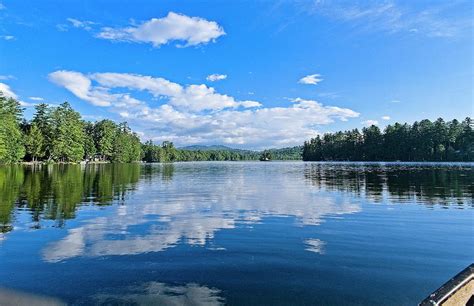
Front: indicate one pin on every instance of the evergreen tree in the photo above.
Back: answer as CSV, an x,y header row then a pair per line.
x,y
104,137
43,120
68,131
35,143
12,148
89,144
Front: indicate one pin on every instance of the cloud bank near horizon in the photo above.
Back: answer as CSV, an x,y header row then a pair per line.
x,y
198,114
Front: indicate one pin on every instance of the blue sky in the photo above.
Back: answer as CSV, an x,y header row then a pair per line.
x,y
249,74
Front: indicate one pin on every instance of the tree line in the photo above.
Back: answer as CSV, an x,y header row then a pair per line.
x,y
58,134
421,141
166,152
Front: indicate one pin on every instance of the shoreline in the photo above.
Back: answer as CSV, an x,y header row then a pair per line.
x,y
41,163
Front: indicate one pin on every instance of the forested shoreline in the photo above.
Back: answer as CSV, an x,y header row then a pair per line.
x,y
59,135
420,141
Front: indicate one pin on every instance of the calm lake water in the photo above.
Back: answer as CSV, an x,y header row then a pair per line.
x,y
237,233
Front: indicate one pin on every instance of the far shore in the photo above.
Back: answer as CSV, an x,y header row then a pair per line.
x,y
31,163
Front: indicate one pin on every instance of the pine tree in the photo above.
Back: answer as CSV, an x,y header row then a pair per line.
x,y
104,137
43,120
35,143
12,148
68,134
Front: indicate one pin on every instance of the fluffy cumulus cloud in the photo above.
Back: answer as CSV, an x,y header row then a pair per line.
x,y
385,117
216,77
311,79
197,113
173,27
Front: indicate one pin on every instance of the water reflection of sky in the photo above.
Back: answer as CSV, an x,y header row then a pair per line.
x,y
151,293
194,205
238,233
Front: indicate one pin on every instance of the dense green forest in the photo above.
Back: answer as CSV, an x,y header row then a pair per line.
x,y
420,141
58,134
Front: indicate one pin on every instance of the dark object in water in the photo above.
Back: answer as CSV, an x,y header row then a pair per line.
x,y
457,291
266,156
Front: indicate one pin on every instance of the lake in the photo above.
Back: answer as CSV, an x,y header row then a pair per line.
x,y
236,233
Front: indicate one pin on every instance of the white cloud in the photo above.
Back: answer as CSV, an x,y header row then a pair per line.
x,y
81,87
311,79
81,24
36,98
386,117
7,92
7,37
197,113
6,77
174,27
192,98
370,122
216,77
432,20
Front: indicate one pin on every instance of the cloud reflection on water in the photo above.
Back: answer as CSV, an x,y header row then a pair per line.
x,y
192,207
154,293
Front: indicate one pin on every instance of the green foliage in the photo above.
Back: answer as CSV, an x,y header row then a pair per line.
x,y
35,142
43,120
126,147
421,141
68,131
104,137
12,148
292,153
89,145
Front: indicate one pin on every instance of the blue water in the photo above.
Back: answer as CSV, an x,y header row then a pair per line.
x,y
237,233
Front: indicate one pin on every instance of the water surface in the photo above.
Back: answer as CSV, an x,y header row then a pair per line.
x,y
237,233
